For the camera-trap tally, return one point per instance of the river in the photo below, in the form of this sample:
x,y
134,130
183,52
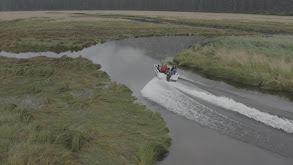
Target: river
x,y
210,121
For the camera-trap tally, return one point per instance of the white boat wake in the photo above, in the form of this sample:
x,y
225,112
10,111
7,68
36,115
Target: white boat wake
x,y
177,97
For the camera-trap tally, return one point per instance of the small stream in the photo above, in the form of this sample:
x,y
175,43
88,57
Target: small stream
x,y
210,122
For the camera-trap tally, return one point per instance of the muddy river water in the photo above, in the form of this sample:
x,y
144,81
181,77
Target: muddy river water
x,y
210,122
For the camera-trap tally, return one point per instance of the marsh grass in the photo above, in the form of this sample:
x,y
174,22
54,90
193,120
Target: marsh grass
x,y
234,22
69,31
40,35
85,119
34,88
263,61
21,142
22,70
71,139
237,24
151,152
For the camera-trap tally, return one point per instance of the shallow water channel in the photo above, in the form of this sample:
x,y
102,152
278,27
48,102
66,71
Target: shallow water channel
x,y
210,122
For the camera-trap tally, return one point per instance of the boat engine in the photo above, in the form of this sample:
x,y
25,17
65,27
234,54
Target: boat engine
x,y
169,74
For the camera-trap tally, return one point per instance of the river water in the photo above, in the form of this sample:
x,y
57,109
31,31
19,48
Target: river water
x,y
210,122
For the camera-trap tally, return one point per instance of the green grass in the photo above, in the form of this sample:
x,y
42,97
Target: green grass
x,y
249,26
39,35
262,61
84,118
83,30
232,24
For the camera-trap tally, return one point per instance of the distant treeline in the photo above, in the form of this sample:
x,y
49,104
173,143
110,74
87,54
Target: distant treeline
x,y
282,7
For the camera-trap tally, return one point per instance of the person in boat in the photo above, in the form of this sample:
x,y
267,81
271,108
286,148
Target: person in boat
x,y
174,70
164,68
159,67
169,74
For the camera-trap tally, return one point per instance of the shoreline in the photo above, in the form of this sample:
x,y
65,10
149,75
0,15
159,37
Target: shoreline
x,y
68,106
256,61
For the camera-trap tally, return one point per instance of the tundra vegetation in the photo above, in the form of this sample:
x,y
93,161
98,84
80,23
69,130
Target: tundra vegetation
x,y
63,31
263,61
254,34
67,111
76,31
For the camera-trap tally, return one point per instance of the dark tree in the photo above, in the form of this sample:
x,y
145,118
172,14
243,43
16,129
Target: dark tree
x,y
243,6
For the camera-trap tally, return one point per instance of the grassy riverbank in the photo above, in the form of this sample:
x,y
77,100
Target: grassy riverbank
x,y
61,31
74,30
240,23
263,61
67,111
44,34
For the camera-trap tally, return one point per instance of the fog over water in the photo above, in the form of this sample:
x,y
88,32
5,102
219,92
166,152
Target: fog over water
x,y
210,122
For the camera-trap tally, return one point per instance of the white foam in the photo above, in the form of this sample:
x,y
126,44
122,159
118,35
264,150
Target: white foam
x,y
196,82
167,95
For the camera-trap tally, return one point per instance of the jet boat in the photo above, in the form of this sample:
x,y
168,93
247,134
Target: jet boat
x,y
167,76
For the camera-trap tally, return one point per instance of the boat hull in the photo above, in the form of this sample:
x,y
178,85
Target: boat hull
x,y
161,75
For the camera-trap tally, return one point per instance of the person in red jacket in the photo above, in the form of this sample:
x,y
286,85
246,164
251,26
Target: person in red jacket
x,y
164,68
